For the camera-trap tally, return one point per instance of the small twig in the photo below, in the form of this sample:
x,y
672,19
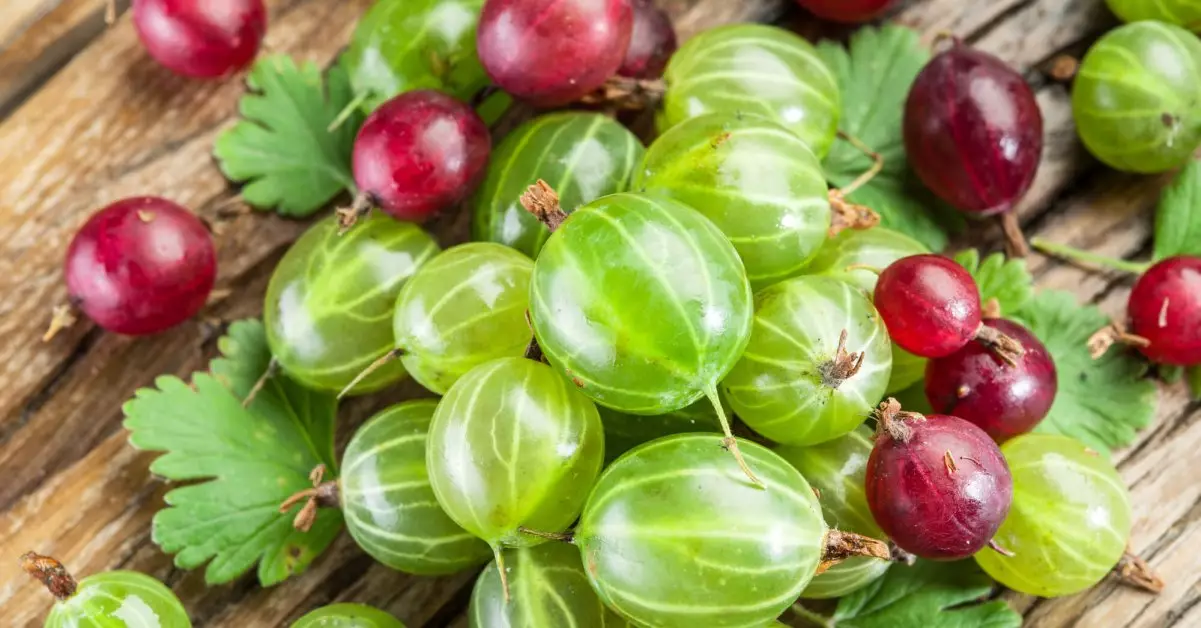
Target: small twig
x,y
63,317
321,495
998,548
842,366
1003,346
272,369
870,173
892,420
1107,336
1135,572
348,216
1064,68
371,368
1015,240
563,537
629,94
841,545
542,201
50,573
110,12
847,215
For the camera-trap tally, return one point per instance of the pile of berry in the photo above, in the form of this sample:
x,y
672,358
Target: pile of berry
x,y
622,305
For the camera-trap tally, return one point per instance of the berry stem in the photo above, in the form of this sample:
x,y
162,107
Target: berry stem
x,y
842,366
62,317
110,12
870,173
500,568
562,537
348,216
268,373
842,545
998,548
847,215
1015,240
1003,346
542,201
629,94
1135,571
321,495
729,442
346,112
371,368
1078,256
892,420
1115,332
49,572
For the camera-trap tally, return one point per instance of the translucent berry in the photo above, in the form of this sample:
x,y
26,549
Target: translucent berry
x,y
1165,308
1003,399
848,11
652,42
937,485
201,38
140,266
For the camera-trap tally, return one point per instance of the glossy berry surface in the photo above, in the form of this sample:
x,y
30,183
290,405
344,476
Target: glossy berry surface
x,y
1135,97
977,386
849,255
419,153
513,444
388,502
1165,308
674,535
973,131
757,70
547,587
1186,13
328,309
347,615
760,185
837,470
465,307
938,486
552,52
140,266
1070,520
930,304
583,156
847,11
201,38
119,599
652,42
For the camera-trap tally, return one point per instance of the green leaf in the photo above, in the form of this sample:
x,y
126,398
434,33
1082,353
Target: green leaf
x,y
922,596
1178,217
1006,280
875,75
1101,402
1193,375
247,461
282,148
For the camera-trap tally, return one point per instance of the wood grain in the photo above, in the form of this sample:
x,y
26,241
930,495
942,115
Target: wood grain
x,y
110,123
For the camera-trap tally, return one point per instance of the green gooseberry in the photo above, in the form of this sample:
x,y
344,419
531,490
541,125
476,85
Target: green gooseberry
x,y
547,588
1186,13
757,70
387,500
347,615
403,45
583,156
1137,97
837,471
328,310
673,535
817,363
465,307
1069,522
623,431
759,183
513,447
112,599
643,303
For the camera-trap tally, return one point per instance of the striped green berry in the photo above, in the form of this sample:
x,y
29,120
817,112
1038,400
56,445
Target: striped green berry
x,y
759,183
818,361
328,310
1137,97
465,307
547,588
757,70
388,502
837,470
403,45
513,445
348,616
674,535
583,156
1186,13
113,599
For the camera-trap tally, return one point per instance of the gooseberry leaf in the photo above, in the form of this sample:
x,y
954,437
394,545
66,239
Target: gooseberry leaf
x,y
875,74
1103,402
926,595
1178,217
1005,279
282,149
246,461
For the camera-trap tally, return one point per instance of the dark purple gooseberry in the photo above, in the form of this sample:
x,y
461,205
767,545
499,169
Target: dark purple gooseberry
x,y
652,42
1003,399
937,485
1165,308
846,11
419,153
553,52
973,131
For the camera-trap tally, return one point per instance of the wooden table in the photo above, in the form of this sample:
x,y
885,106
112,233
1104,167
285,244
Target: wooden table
x,y
87,118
